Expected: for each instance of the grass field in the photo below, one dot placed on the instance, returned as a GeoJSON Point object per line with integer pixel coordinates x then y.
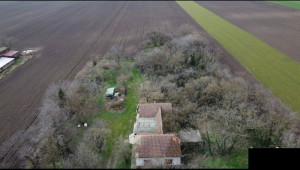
{"type": "Point", "coordinates": [292, 4]}
{"type": "Point", "coordinates": [274, 69]}
{"type": "Point", "coordinates": [235, 160]}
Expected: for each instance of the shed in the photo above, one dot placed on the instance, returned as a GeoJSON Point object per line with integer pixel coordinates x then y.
{"type": "Point", "coordinates": [11, 54]}
{"type": "Point", "coordinates": [110, 92]}
{"type": "Point", "coordinates": [190, 135]}
{"type": "Point", "coordinates": [5, 62]}
{"type": "Point", "coordinates": [3, 50]}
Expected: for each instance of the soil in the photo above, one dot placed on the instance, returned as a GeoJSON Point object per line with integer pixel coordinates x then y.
{"type": "Point", "coordinates": [110, 102]}
{"type": "Point", "coordinates": [68, 35]}
{"type": "Point", "coordinates": [276, 25]}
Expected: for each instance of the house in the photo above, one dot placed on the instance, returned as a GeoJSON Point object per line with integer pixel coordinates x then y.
{"type": "Point", "coordinates": [150, 145]}
{"type": "Point", "coordinates": [11, 54]}
{"type": "Point", "coordinates": [157, 149]}
{"type": "Point", "coordinates": [5, 62]}
{"type": "Point", "coordinates": [110, 92]}
{"type": "Point", "coordinates": [3, 50]}
{"type": "Point", "coordinates": [149, 117]}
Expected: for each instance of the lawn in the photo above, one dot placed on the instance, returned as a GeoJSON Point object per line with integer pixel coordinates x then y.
{"type": "Point", "coordinates": [274, 69]}
{"type": "Point", "coordinates": [292, 4]}
{"type": "Point", "coordinates": [121, 123]}
{"type": "Point", "coordinates": [235, 160]}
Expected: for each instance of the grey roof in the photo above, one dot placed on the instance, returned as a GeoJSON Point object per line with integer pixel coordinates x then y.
{"type": "Point", "coordinates": [110, 91]}
{"type": "Point", "coordinates": [190, 135]}
{"type": "Point", "coordinates": [4, 61]}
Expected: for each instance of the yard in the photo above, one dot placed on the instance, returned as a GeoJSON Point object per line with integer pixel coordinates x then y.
{"type": "Point", "coordinates": [120, 123]}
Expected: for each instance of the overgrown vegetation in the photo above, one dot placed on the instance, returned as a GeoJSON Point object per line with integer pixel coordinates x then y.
{"type": "Point", "coordinates": [6, 41]}
{"type": "Point", "coordinates": [68, 105]}
{"type": "Point", "coordinates": [230, 114]}
{"type": "Point", "coordinates": [182, 69]}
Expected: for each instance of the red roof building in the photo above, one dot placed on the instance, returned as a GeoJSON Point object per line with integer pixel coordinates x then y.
{"type": "Point", "coordinates": [11, 54]}
{"type": "Point", "coordinates": [151, 146]}
{"type": "Point", "coordinates": [157, 145]}
{"type": "Point", "coordinates": [150, 109]}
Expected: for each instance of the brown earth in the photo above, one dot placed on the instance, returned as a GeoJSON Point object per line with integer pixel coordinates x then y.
{"type": "Point", "coordinates": [276, 25]}
{"type": "Point", "coordinates": [69, 34]}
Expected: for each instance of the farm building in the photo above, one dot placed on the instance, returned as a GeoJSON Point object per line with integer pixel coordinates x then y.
{"type": "Point", "coordinates": [11, 54]}
{"type": "Point", "coordinates": [151, 146]}
{"type": "Point", "coordinates": [3, 50]}
{"type": "Point", "coordinates": [5, 62]}
{"type": "Point", "coordinates": [149, 117]}
{"type": "Point", "coordinates": [157, 149]}
{"type": "Point", "coordinates": [110, 92]}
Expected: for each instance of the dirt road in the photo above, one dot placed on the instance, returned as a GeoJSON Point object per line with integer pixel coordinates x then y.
{"type": "Point", "coordinates": [69, 34]}
{"type": "Point", "coordinates": [276, 25]}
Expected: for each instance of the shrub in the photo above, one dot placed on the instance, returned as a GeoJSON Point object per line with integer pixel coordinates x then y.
{"type": "Point", "coordinates": [122, 151]}
{"type": "Point", "coordinates": [157, 39]}
{"type": "Point", "coordinates": [232, 114]}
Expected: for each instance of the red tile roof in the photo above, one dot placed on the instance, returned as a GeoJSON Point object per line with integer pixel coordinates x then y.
{"type": "Point", "coordinates": [10, 53]}
{"type": "Point", "coordinates": [150, 109]}
{"type": "Point", "coordinates": [159, 145]}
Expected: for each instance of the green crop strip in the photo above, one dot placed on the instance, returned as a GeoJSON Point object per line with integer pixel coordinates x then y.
{"type": "Point", "coordinates": [274, 69]}
{"type": "Point", "coordinates": [292, 4]}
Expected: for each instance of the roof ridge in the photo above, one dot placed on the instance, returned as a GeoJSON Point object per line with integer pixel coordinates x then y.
{"type": "Point", "coordinates": [156, 134]}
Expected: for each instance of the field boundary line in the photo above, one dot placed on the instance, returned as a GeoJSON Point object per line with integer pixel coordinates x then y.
{"type": "Point", "coordinates": [275, 70]}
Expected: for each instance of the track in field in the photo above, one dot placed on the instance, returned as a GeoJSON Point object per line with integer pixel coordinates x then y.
{"type": "Point", "coordinates": [69, 34]}
{"type": "Point", "coordinates": [276, 25]}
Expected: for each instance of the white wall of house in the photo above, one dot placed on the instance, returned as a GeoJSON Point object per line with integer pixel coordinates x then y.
{"type": "Point", "coordinates": [158, 161]}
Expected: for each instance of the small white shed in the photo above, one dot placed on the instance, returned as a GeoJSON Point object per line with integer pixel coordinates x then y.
{"type": "Point", "coordinates": [5, 62]}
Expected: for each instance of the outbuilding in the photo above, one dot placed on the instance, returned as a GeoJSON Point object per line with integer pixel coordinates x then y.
{"type": "Point", "coordinates": [5, 62]}
{"type": "Point", "coordinates": [11, 54]}
{"type": "Point", "coordinates": [190, 135]}
{"type": "Point", "coordinates": [110, 92]}
{"type": "Point", "coordinates": [3, 50]}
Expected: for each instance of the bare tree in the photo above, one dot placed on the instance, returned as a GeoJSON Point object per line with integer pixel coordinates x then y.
{"type": "Point", "coordinates": [7, 41]}
{"type": "Point", "coordinates": [116, 52]}
{"type": "Point", "coordinates": [150, 92]}
{"type": "Point", "coordinates": [157, 39]}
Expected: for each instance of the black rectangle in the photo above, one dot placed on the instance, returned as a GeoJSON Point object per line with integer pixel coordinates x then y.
{"type": "Point", "coordinates": [274, 158]}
